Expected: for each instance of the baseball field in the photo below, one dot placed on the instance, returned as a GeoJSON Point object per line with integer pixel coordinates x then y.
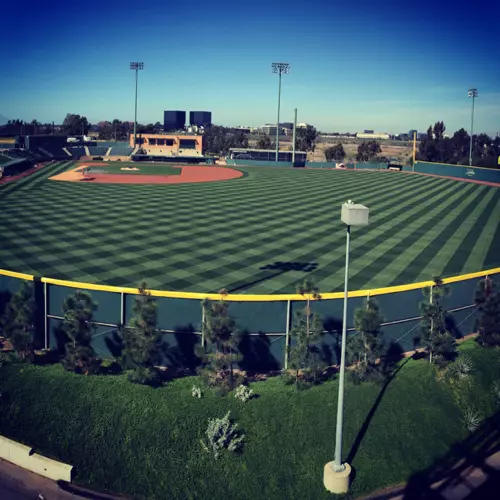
{"type": "Point", "coordinates": [259, 233]}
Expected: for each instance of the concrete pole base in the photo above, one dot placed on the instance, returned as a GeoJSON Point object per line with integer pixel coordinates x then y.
{"type": "Point", "coordinates": [336, 482]}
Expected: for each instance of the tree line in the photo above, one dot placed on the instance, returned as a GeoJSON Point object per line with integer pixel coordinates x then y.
{"type": "Point", "coordinates": [434, 147]}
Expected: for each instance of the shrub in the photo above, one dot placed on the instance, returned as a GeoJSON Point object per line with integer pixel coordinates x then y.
{"type": "Point", "coordinates": [222, 435]}
{"type": "Point", "coordinates": [305, 356]}
{"type": "Point", "coordinates": [220, 351]}
{"type": "Point", "coordinates": [461, 369]}
{"type": "Point", "coordinates": [196, 392]}
{"type": "Point", "coordinates": [495, 390]}
{"type": "Point", "coordinates": [144, 375]}
{"type": "Point", "coordinates": [472, 418]}
{"type": "Point", "coordinates": [17, 322]}
{"type": "Point", "coordinates": [141, 340]}
{"type": "Point", "coordinates": [243, 393]}
{"type": "Point", "coordinates": [78, 325]}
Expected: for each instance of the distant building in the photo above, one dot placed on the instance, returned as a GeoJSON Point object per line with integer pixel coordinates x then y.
{"type": "Point", "coordinates": [200, 118]}
{"type": "Point", "coordinates": [373, 135]}
{"type": "Point", "coordinates": [411, 132]}
{"type": "Point", "coordinates": [169, 144]}
{"type": "Point", "coordinates": [268, 129]}
{"type": "Point", "coordinates": [368, 132]}
{"type": "Point", "coordinates": [174, 120]}
{"type": "Point", "coordinates": [286, 128]}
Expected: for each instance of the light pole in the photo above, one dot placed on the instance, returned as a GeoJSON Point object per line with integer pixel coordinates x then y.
{"type": "Point", "coordinates": [336, 474]}
{"type": "Point", "coordinates": [136, 66]}
{"type": "Point", "coordinates": [473, 94]}
{"type": "Point", "coordinates": [281, 69]}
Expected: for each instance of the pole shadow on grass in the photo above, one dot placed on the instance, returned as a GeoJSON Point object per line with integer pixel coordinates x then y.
{"type": "Point", "coordinates": [270, 271]}
{"type": "Point", "coordinates": [393, 356]}
{"type": "Point", "coordinates": [469, 470]}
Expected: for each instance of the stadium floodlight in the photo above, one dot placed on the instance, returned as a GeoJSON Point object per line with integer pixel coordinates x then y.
{"type": "Point", "coordinates": [280, 69]}
{"type": "Point", "coordinates": [336, 474]}
{"type": "Point", "coordinates": [136, 66]}
{"type": "Point", "coordinates": [473, 94]}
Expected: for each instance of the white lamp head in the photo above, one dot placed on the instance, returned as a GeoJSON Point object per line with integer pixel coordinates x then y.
{"type": "Point", "coordinates": [354, 214]}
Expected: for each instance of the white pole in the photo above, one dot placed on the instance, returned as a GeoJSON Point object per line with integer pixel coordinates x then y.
{"type": "Point", "coordinates": [287, 333]}
{"type": "Point", "coordinates": [45, 313]}
{"type": "Point", "coordinates": [338, 466]}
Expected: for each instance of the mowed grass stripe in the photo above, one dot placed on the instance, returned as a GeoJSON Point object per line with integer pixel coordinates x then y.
{"type": "Point", "coordinates": [18, 184]}
{"type": "Point", "coordinates": [317, 234]}
{"type": "Point", "coordinates": [451, 221]}
{"type": "Point", "coordinates": [202, 235]}
{"type": "Point", "coordinates": [398, 256]}
{"type": "Point", "coordinates": [487, 245]}
{"type": "Point", "coordinates": [458, 261]}
{"type": "Point", "coordinates": [324, 247]}
{"type": "Point", "coordinates": [397, 239]}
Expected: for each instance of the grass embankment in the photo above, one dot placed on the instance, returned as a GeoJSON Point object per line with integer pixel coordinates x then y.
{"type": "Point", "coordinates": [145, 442]}
{"type": "Point", "coordinates": [144, 169]}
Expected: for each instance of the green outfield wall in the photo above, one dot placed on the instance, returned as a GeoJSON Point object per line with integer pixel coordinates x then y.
{"type": "Point", "coordinates": [264, 320]}
{"type": "Point", "coordinates": [459, 171]}
{"type": "Point", "coordinates": [263, 163]}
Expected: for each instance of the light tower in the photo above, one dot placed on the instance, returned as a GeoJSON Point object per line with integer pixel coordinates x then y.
{"type": "Point", "coordinates": [136, 66]}
{"type": "Point", "coordinates": [473, 94]}
{"type": "Point", "coordinates": [281, 69]}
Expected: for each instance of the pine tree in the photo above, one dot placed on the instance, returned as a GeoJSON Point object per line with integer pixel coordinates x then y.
{"type": "Point", "coordinates": [141, 340]}
{"type": "Point", "coordinates": [368, 345]}
{"type": "Point", "coordinates": [305, 356]}
{"type": "Point", "coordinates": [78, 325]}
{"type": "Point", "coordinates": [18, 322]}
{"type": "Point", "coordinates": [438, 342]}
{"type": "Point", "coordinates": [487, 300]}
{"type": "Point", "coordinates": [220, 353]}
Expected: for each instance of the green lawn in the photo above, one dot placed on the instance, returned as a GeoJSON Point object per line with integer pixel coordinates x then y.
{"type": "Point", "coordinates": [144, 168]}
{"type": "Point", "coordinates": [261, 233]}
{"type": "Point", "coordinates": [144, 442]}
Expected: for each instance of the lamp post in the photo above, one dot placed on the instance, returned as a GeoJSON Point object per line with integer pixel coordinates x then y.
{"type": "Point", "coordinates": [281, 69]}
{"type": "Point", "coordinates": [136, 66]}
{"type": "Point", "coordinates": [473, 94]}
{"type": "Point", "coordinates": [336, 474]}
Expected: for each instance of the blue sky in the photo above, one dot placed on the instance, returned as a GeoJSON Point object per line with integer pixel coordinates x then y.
{"type": "Point", "coordinates": [390, 66]}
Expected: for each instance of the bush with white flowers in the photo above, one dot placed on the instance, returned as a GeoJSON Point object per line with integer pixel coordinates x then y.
{"type": "Point", "coordinates": [222, 434]}
{"type": "Point", "coordinates": [196, 392]}
{"type": "Point", "coordinates": [243, 393]}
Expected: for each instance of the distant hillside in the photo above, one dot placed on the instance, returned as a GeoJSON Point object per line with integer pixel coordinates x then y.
{"type": "Point", "coordinates": [3, 120]}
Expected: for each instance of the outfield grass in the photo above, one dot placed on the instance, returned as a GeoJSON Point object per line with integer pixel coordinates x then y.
{"type": "Point", "coordinates": [144, 442]}
{"type": "Point", "coordinates": [262, 233]}
{"type": "Point", "coordinates": [144, 168]}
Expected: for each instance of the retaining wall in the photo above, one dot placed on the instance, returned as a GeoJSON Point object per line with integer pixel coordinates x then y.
{"type": "Point", "coordinates": [265, 320]}
{"type": "Point", "coordinates": [264, 163]}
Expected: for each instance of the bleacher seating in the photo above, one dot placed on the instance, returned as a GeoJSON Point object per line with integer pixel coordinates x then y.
{"type": "Point", "coordinates": [98, 150]}
{"type": "Point", "coordinates": [120, 149]}
{"type": "Point", "coordinates": [77, 151]}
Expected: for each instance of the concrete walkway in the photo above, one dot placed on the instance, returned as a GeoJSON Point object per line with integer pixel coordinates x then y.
{"type": "Point", "coordinates": [19, 484]}
{"type": "Point", "coordinates": [466, 479]}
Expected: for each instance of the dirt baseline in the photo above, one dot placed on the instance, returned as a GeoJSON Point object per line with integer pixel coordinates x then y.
{"type": "Point", "coordinates": [189, 174]}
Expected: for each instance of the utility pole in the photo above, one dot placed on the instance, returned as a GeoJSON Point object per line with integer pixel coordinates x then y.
{"type": "Point", "coordinates": [293, 134]}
